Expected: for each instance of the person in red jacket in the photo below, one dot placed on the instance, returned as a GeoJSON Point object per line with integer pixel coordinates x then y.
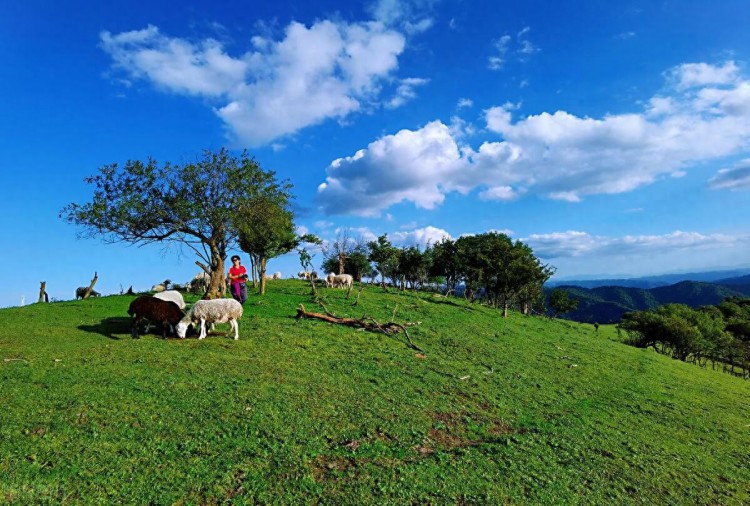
{"type": "Point", "coordinates": [238, 280]}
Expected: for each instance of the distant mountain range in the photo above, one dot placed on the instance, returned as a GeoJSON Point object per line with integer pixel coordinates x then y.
{"type": "Point", "coordinates": [660, 280]}
{"type": "Point", "coordinates": [607, 303]}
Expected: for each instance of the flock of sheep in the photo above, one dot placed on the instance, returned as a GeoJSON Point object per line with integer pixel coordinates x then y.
{"type": "Point", "coordinates": [167, 307]}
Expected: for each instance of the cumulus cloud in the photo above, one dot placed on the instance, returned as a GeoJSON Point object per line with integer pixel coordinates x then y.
{"type": "Point", "coordinates": [575, 243]}
{"type": "Point", "coordinates": [691, 75]}
{"type": "Point", "coordinates": [327, 70]}
{"type": "Point", "coordinates": [407, 166]}
{"type": "Point", "coordinates": [558, 155]}
{"type": "Point", "coordinates": [734, 178]}
{"type": "Point", "coordinates": [419, 237]}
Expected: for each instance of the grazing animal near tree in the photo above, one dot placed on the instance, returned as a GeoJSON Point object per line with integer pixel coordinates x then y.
{"type": "Point", "coordinates": [330, 279]}
{"type": "Point", "coordinates": [164, 285]}
{"type": "Point", "coordinates": [211, 311]}
{"type": "Point", "coordinates": [343, 280]}
{"type": "Point", "coordinates": [154, 310]}
{"type": "Point", "coordinates": [173, 296]}
{"type": "Point", "coordinates": [199, 283]}
{"type": "Point", "coordinates": [81, 291]}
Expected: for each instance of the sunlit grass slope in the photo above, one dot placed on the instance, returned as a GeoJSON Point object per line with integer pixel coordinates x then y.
{"type": "Point", "coordinates": [517, 410]}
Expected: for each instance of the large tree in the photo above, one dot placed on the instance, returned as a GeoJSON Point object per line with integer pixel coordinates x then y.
{"type": "Point", "coordinates": [190, 205]}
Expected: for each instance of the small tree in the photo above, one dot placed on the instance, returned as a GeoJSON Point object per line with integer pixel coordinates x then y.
{"type": "Point", "coordinates": [561, 302]}
{"type": "Point", "coordinates": [384, 255]}
{"type": "Point", "coordinates": [305, 258]}
{"type": "Point", "coordinates": [265, 230]}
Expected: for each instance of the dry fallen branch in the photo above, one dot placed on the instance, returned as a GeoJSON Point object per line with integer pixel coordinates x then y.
{"type": "Point", "coordinates": [365, 323]}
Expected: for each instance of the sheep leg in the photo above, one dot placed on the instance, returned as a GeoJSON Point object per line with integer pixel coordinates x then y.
{"type": "Point", "coordinates": [236, 328]}
{"type": "Point", "coordinates": [203, 329]}
{"type": "Point", "coordinates": [134, 326]}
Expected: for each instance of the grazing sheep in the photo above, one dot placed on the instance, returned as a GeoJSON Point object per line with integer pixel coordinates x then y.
{"type": "Point", "coordinates": [276, 275]}
{"type": "Point", "coordinates": [173, 296]}
{"type": "Point", "coordinates": [164, 285]}
{"type": "Point", "coordinates": [156, 311]}
{"type": "Point", "coordinates": [330, 279]}
{"type": "Point", "coordinates": [199, 283]}
{"type": "Point", "coordinates": [81, 291]}
{"type": "Point", "coordinates": [343, 280]}
{"type": "Point", "coordinates": [212, 311]}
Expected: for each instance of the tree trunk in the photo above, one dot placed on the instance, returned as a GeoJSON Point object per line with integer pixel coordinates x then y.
{"type": "Point", "coordinates": [43, 291]}
{"type": "Point", "coordinates": [342, 256]}
{"type": "Point", "coordinates": [217, 283]}
{"type": "Point", "coordinates": [262, 274]}
{"type": "Point", "coordinates": [91, 286]}
{"type": "Point", "coordinates": [253, 271]}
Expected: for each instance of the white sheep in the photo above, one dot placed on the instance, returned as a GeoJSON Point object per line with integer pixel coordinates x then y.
{"type": "Point", "coordinates": [343, 280]}
{"type": "Point", "coordinates": [161, 286]}
{"type": "Point", "coordinates": [173, 296]}
{"type": "Point", "coordinates": [212, 311]}
{"type": "Point", "coordinates": [330, 279]}
{"type": "Point", "coordinates": [199, 283]}
{"type": "Point", "coordinates": [276, 275]}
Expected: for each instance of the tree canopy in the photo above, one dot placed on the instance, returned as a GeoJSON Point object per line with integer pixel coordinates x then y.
{"type": "Point", "coordinates": [266, 230]}
{"type": "Point", "coordinates": [191, 204]}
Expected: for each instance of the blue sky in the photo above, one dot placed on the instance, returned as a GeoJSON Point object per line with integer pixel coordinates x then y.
{"type": "Point", "coordinates": [614, 138]}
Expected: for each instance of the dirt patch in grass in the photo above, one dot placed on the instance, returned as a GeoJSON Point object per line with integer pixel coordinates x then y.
{"type": "Point", "coordinates": [451, 431]}
{"type": "Point", "coordinates": [326, 467]}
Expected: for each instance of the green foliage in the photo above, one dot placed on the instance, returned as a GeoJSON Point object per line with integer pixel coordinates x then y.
{"type": "Point", "coordinates": [561, 302]}
{"type": "Point", "coordinates": [385, 257]}
{"type": "Point", "coordinates": [505, 271]}
{"type": "Point", "coordinates": [519, 411]}
{"type": "Point", "coordinates": [190, 205]}
{"type": "Point", "coordinates": [266, 229]}
{"type": "Point", "coordinates": [714, 333]}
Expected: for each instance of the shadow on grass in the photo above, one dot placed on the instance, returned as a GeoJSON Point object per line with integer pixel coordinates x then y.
{"type": "Point", "coordinates": [108, 327]}
{"type": "Point", "coordinates": [442, 300]}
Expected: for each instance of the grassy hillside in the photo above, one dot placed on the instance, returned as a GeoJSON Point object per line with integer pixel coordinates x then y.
{"type": "Point", "coordinates": [522, 410]}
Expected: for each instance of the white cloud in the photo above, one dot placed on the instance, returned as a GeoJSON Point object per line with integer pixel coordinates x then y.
{"type": "Point", "coordinates": [464, 102]}
{"type": "Point", "coordinates": [558, 155]}
{"type": "Point", "coordinates": [420, 237]}
{"type": "Point", "coordinates": [576, 243]}
{"type": "Point", "coordinates": [691, 75]}
{"type": "Point", "coordinates": [412, 16]}
{"type": "Point", "coordinates": [505, 46]}
{"type": "Point", "coordinates": [496, 61]}
{"type": "Point", "coordinates": [407, 166]}
{"type": "Point", "coordinates": [327, 70]}
{"type": "Point", "coordinates": [405, 92]}
{"type": "Point", "coordinates": [734, 178]}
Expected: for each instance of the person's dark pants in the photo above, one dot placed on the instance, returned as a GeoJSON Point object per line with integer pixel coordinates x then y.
{"type": "Point", "coordinates": [239, 292]}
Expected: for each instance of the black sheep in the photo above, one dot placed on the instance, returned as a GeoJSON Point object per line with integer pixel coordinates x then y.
{"type": "Point", "coordinates": [155, 310]}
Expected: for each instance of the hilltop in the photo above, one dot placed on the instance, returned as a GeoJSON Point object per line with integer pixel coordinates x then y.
{"type": "Point", "coordinates": [517, 410]}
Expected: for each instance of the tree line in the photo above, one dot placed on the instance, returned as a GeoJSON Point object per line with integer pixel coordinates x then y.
{"type": "Point", "coordinates": [719, 335]}
{"type": "Point", "coordinates": [490, 267]}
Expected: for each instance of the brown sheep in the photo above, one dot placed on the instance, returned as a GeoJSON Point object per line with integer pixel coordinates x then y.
{"type": "Point", "coordinates": [167, 313]}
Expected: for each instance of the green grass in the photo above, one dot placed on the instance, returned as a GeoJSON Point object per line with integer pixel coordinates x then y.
{"type": "Point", "coordinates": [518, 410]}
